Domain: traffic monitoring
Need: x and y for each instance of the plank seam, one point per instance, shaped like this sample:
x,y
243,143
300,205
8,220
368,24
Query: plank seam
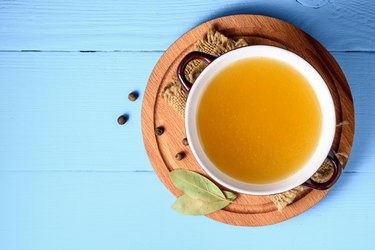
x,y
81,51
136,51
115,171
75,171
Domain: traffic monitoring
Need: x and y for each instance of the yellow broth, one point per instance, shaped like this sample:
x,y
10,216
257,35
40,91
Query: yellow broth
x,y
259,120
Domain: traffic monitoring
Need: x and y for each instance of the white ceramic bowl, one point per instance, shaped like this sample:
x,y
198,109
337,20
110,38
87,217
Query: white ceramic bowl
x,y
302,176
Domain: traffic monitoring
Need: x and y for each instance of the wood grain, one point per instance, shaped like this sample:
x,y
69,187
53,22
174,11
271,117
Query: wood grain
x,y
256,30
149,25
69,183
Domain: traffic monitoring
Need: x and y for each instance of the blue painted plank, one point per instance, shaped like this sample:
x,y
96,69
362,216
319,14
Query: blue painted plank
x,y
66,179
359,69
153,25
132,211
58,110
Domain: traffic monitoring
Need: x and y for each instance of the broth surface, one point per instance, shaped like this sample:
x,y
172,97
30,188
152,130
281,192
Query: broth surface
x,y
259,120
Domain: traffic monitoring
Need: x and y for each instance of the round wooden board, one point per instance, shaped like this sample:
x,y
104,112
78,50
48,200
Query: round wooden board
x,y
255,30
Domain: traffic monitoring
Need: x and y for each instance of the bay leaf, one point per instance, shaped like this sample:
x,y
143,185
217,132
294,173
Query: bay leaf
x,y
196,186
229,195
190,206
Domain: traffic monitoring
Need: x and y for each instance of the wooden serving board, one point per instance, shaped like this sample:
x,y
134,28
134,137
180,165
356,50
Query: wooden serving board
x,y
259,210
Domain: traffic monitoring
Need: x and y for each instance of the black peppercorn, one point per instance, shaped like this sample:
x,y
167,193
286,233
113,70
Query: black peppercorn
x,y
122,119
133,96
185,141
180,156
159,131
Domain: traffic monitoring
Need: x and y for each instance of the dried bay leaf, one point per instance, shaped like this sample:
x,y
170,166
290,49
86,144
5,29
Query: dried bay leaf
x,y
229,195
190,206
196,186
200,195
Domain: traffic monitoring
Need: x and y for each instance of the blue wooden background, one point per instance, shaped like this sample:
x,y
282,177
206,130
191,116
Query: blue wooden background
x,y
71,178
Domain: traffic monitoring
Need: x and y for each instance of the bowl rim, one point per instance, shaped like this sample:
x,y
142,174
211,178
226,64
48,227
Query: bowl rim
x,y
322,93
